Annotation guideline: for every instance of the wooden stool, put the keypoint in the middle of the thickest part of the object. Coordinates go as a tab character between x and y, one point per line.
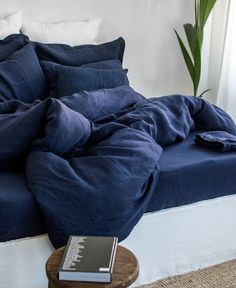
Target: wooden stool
125	271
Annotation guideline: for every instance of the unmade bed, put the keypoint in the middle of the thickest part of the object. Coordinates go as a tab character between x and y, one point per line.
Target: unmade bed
168	242
83	153
189	173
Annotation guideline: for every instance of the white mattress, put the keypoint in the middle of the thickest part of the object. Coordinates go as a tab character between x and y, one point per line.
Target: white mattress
168	242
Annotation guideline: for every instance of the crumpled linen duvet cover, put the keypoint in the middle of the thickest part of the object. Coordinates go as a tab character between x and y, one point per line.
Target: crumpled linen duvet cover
92	158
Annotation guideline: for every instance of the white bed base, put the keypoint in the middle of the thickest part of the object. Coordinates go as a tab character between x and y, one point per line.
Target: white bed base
168	242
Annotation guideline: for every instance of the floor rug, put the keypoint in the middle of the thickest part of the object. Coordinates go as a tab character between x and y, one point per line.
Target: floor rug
219	276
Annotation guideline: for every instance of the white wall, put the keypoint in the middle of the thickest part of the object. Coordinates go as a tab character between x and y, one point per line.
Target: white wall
152	53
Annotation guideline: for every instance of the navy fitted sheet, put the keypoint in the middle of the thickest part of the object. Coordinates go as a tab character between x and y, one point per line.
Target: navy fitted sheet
19	213
191	173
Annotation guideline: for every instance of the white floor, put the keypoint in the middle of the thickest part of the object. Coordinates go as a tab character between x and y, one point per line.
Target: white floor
169	242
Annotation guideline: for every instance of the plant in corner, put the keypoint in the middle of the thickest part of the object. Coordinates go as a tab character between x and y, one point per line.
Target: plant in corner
194	35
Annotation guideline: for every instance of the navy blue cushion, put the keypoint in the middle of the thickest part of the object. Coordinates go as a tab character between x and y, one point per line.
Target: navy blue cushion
21	77
50	67
79	55
72	80
107	64
66	80
11	44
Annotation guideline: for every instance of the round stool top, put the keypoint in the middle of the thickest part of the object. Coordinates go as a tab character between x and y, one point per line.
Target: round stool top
125	271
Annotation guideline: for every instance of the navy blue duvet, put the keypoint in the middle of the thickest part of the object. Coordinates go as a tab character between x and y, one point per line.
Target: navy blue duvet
20	215
92	159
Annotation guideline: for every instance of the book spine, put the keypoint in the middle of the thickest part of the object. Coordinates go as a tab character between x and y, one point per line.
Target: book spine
64	256
113	256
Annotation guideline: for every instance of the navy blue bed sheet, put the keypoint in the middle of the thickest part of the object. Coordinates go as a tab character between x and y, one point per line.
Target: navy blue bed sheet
20	215
191	173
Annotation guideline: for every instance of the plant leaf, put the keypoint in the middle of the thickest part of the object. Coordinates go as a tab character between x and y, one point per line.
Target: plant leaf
196	12
187	58
205	9
200	34
202	10
197	64
191	36
210	5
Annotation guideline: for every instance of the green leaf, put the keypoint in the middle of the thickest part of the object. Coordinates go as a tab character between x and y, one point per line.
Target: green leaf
191	36
187	58
195	36
205	9
209	8
200	34
196	12
197	64
202	10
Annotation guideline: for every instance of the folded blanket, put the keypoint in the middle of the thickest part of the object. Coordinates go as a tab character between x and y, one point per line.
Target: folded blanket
217	140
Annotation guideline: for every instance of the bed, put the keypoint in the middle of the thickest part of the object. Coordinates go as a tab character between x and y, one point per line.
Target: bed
179	164
168	242
189	210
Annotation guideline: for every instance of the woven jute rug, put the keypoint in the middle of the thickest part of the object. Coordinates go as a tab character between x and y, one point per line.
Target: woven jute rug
218	276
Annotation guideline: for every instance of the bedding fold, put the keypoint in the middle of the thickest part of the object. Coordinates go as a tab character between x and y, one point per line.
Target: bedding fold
92	162
221	141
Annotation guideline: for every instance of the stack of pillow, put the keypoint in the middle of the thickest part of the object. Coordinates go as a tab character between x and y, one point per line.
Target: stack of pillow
33	68
21	76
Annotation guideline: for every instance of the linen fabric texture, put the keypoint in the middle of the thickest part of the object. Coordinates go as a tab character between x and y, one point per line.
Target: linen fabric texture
66	80
79	55
21	77
28	75
11	44
74	80
82	150
91	158
217	140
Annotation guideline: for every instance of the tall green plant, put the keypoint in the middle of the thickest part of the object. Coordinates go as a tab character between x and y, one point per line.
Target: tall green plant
194	35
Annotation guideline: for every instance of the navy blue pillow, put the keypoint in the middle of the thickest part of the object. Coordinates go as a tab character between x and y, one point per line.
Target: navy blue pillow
21	77
79	55
72	79
11	44
107	64
51	72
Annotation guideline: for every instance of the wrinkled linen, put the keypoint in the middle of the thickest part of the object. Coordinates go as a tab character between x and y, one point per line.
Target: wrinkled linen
92	158
20	215
191	173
